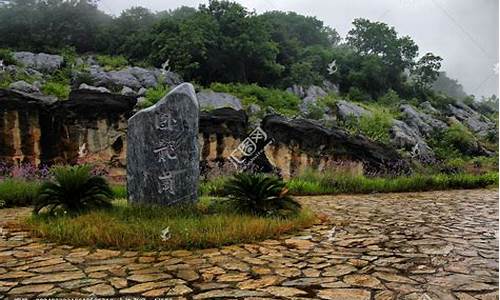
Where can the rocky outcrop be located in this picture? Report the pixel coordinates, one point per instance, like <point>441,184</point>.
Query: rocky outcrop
<point>425,124</point>
<point>476,122</point>
<point>91,127</point>
<point>23,86</point>
<point>347,110</point>
<point>211,100</point>
<point>409,139</point>
<point>300,144</point>
<point>39,61</point>
<point>132,77</point>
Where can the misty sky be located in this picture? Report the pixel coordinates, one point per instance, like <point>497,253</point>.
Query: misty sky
<point>463,32</point>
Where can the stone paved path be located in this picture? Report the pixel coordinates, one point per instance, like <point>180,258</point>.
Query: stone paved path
<point>437,245</point>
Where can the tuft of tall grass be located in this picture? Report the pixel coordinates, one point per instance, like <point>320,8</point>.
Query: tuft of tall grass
<point>18,192</point>
<point>125,226</point>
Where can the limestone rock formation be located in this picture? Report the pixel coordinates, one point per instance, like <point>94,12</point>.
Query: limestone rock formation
<point>211,100</point>
<point>300,143</point>
<point>39,61</point>
<point>346,110</point>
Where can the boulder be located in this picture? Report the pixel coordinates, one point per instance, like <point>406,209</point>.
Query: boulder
<point>407,138</point>
<point>39,61</point>
<point>347,110</point>
<point>123,78</point>
<point>128,91</point>
<point>475,121</point>
<point>211,100</point>
<point>428,108</point>
<point>24,87</point>
<point>146,78</point>
<point>253,109</point>
<point>101,89</point>
<point>425,124</point>
<point>133,77</point>
<point>312,95</point>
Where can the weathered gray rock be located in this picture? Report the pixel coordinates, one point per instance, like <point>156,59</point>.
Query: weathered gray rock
<point>424,123</point>
<point>346,110</point>
<point>312,95</point>
<point>163,154</point>
<point>147,78</point>
<point>128,91</point>
<point>101,89</point>
<point>39,61</point>
<point>123,78</point>
<point>253,109</point>
<point>211,100</point>
<point>476,122</point>
<point>24,87</point>
<point>409,139</point>
<point>133,77</point>
<point>427,107</point>
<point>142,92</point>
<point>297,90</point>
<point>169,78</point>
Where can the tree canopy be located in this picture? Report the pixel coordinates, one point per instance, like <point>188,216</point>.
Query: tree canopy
<point>222,41</point>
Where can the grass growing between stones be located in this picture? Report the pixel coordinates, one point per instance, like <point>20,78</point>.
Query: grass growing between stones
<point>205,225</point>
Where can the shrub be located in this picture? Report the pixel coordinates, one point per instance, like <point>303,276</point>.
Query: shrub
<point>60,90</point>
<point>356,94</point>
<point>18,192</point>
<point>459,137</point>
<point>8,57</point>
<point>74,189</point>
<point>155,94</point>
<point>375,126</point>
<point>110,63</point>
<point>284,102</point>
<point>391,98</point>
<point>260,194</point>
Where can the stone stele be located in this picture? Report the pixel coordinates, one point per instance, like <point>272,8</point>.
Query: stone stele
<point>162,154</point>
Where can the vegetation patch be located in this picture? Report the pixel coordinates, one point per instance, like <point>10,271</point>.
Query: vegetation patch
<point>331,183</point>
<point>211,223</point>
<point>58,89</point>
<point>284,102</point>
<point>18,192</point>
<point>111,63</point>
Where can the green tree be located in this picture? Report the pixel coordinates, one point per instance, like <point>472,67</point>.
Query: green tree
<point>426,70</point>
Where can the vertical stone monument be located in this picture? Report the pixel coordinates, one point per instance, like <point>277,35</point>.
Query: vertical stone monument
<point>162,150</point>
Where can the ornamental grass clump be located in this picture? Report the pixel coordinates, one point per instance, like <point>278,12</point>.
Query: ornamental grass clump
<point>73,190</point>
<point>260,195</point>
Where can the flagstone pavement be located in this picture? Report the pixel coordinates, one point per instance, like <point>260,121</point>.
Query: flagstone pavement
<point>433,245</point>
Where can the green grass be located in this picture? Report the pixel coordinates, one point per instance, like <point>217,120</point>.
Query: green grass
<point>284,102</point>
<point>111,63</point>
<point>322,184</point>
<point>155,94</point>
<point>119,191</point>
<point>206,225</point>
<point>60,90</point>
<point>16,192</point>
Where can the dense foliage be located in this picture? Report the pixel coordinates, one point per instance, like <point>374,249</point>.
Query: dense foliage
<point>73,190</point>
<point>261,195</point>
<point>224,42</point>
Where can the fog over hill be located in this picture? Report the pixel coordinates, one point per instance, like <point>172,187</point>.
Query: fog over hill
<point>463,32</point>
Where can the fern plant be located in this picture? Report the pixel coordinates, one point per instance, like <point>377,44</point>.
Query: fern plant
<point>260,194</point>
<point>74,190</point>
